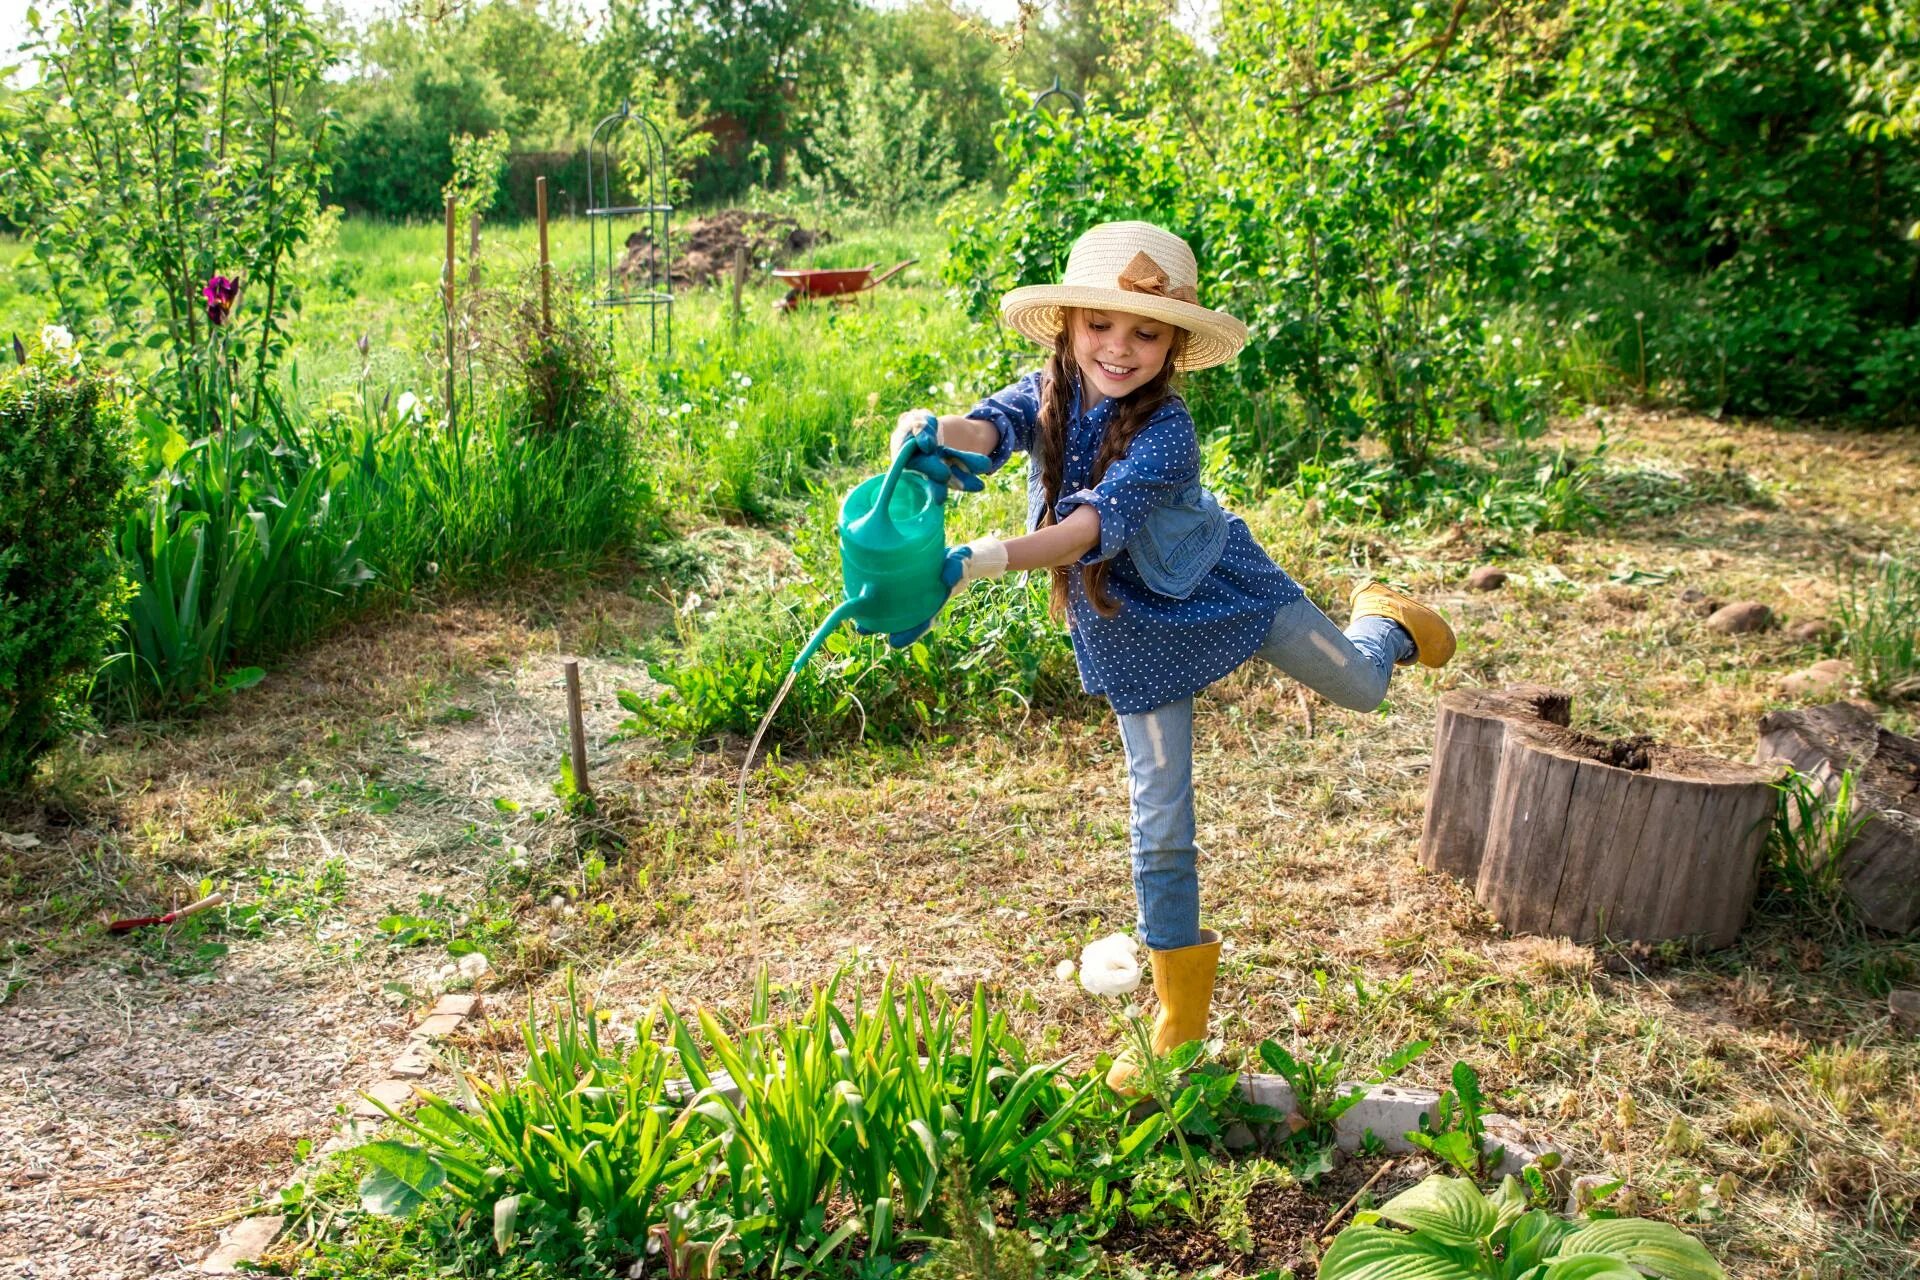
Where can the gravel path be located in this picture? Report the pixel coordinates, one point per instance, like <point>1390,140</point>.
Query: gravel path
<point>140,1096</point>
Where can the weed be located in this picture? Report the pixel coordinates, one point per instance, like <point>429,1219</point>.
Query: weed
<point>1456,1133</point>
<point>1813,823</point>
<point>1879,615</point>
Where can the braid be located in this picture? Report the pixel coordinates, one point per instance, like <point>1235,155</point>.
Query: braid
<point>1131,415</point>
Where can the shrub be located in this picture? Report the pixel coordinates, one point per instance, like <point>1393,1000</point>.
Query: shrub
<point>64,467</point>
<point>881,146</point>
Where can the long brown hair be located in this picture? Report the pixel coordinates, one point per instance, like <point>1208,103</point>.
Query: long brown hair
<point>1130,414</point>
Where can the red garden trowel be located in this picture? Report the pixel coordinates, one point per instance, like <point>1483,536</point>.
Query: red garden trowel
<point>193,908</point>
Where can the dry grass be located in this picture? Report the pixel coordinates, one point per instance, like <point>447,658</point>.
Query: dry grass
<point>1759,1094</point>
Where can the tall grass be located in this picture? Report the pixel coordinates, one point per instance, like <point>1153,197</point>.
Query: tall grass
<point>1879,614</point>
<point>253,540</point>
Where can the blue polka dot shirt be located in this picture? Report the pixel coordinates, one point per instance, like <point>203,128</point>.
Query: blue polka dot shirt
<point>1157,649</point>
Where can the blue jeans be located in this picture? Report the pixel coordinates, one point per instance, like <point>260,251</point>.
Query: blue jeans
<point>1351,668</point>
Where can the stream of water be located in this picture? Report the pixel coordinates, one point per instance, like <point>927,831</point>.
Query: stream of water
<point>747,887</point>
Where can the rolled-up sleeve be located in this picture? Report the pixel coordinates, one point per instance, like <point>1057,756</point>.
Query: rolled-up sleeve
<point>1162,461</point>
<point>1012,411</point>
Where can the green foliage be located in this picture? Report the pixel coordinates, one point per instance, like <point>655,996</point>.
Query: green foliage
<point>478,165</point>
<point>1879,615</point>
<point>1315,1080</point>
<point>586,1135</point>
<point>162,145</point>
<point>423,89</point>
<point>1450,1231</point>
<point>975,1248</point>
<point>1717,149</point>
<point>880,146</point>
<point>65,463</point>
<point>1813,823</point>
<point>1457,1133</point>
<point>236,549</point>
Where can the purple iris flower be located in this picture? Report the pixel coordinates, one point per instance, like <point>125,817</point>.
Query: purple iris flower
<point>219,293</point>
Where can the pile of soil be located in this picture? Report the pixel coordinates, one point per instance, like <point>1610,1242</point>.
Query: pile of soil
<point>704,250</point>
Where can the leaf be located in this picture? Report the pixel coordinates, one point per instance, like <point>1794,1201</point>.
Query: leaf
<point>401,1178</point>
<point>1653,1247</point>
<point>506,1212</point>
<point>1373,1253</point>
<point>1450,1209</point>
<point>1532,1239</point>
<point>1589,1266</point>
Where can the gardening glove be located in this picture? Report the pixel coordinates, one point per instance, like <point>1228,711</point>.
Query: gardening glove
<point>981,558</point>
<point>954,468</point>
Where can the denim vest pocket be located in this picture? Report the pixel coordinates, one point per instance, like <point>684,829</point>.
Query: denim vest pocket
<point>1180,542</point>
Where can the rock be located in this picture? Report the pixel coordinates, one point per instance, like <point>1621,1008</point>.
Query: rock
<point>242,1244</point>
<point>1904,1004</point>
<point>1486,578</point>
<point>1740,618</point>
<point>1824,679</point>
<point>1810,630</point>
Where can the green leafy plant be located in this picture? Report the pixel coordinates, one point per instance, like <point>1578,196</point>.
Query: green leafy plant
<point>1316,1080</point>
<point>1457,1132</point>
<point>880,145</point>
<point>585,1135</point>
<point>1814,820</point>
<point>974,1248</point>
<point>1446,1229</point>
<point>1879,616</point>
<point>161,145</point>
<point>64,466</point>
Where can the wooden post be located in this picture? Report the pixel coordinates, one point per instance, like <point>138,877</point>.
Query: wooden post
<point>546,264</point>
<point>577,731</point>
<point>739,279</point>
<point>447,279</point>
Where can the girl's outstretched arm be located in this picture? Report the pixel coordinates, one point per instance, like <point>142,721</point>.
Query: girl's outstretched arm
<point>1062,543</point>
<point>957,432</point>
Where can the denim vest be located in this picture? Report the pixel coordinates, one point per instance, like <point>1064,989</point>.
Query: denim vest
<point>1178,545</point>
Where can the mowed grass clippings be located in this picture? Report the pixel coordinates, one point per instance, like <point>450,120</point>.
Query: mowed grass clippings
<point>995,856</point>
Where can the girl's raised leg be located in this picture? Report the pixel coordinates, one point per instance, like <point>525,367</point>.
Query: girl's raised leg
<point>1351,667</point>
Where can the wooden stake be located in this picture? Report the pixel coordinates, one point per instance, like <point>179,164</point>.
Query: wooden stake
<point>447,278</point>
<point>546,264</point>
<point>577,731</point>
<point>739,279</point>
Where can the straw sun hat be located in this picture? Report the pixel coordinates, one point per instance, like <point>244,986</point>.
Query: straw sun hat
<point>1134,267</point>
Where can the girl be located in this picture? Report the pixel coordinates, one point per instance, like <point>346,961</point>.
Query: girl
<point>1163,592</point>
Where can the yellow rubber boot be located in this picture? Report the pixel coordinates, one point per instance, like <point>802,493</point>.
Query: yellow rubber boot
<point>1183,980</point>
<point>1432,637</point>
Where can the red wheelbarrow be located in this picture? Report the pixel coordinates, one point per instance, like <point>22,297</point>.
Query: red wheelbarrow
<point>841,285</point>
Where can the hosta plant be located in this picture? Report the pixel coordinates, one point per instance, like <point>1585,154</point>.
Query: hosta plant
<point>1446,1229</point>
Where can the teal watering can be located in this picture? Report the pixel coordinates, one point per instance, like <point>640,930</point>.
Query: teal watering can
<point>893,545</point>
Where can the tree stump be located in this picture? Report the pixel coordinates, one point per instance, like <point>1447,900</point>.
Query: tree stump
<point>1562,833</point>
<point>1881,867</point>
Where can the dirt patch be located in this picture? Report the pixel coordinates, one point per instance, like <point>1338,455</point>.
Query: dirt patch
<point>704,252</point>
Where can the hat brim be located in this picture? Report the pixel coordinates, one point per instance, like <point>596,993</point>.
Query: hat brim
<point>1036,312</point>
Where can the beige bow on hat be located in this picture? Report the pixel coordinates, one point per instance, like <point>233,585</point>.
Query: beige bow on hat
<point>1132,267</point>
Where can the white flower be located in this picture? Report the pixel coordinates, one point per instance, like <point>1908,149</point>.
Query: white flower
<point>473,966</point>
<point>407,407</point>
<point>57,341</point>
<point>1110,966</point>
<point>1063,972</point>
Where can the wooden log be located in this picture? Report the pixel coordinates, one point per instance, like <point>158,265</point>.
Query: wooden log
<point>1881,866</point>
<point>1468,739</point>
<point>1591,839</point>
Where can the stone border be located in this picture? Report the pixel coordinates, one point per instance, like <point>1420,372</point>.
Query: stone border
<point>248,1239</point>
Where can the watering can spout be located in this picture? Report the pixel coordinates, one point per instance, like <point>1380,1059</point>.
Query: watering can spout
<point>846,609</point>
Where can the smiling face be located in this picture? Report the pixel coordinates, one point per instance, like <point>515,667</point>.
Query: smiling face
<point>1118,352</point>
